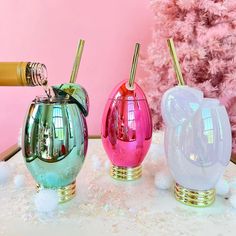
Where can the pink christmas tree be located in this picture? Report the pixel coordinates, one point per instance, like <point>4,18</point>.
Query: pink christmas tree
<point>204,32</point>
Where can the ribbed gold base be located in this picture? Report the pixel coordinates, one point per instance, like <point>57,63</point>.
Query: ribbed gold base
<point>194,197</point>
<point>125,173</point>
<point>64,193</point>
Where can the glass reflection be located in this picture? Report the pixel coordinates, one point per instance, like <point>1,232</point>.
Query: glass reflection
<point>208,125</point>
<point>58,123</point>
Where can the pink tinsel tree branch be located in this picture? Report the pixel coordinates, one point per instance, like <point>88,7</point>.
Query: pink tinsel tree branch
<point>204,32</point>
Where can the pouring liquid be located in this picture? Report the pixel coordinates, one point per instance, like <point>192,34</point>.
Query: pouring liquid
<point>49,91</point>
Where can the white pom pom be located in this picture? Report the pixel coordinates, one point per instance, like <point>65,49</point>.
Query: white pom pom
<point>19,181</point>
<point>46,200</point>
<point>96,162</point>
<point>5,172</point>
<point>222,187</point>
<point>232,200</point>
<point>163,180</point>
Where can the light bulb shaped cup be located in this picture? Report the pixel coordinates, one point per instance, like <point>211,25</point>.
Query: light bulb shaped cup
<point>197,143</point>
<point>126,131</point>
<point>55,140</point>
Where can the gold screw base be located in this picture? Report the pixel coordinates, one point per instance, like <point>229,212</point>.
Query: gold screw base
<point>194,198</point>
<point>126,173</point>
<point>65,193</point>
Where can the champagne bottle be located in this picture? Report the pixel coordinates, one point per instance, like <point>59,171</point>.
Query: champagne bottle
<point>23,74</point>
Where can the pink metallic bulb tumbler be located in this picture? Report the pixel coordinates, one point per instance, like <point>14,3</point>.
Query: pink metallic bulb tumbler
<point>127,128</point>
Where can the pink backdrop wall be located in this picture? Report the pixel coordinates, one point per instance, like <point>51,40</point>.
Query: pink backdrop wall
<point>48,31</point>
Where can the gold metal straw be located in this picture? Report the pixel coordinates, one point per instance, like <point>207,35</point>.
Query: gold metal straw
<point>78,56</point>
<point>175,60</point>
<point>134,65</point>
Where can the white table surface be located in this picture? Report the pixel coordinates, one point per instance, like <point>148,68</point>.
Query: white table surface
<point>104,206</point>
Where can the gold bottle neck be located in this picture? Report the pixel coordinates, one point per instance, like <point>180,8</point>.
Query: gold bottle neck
<point>22,74</point>
<point>36,74</point>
